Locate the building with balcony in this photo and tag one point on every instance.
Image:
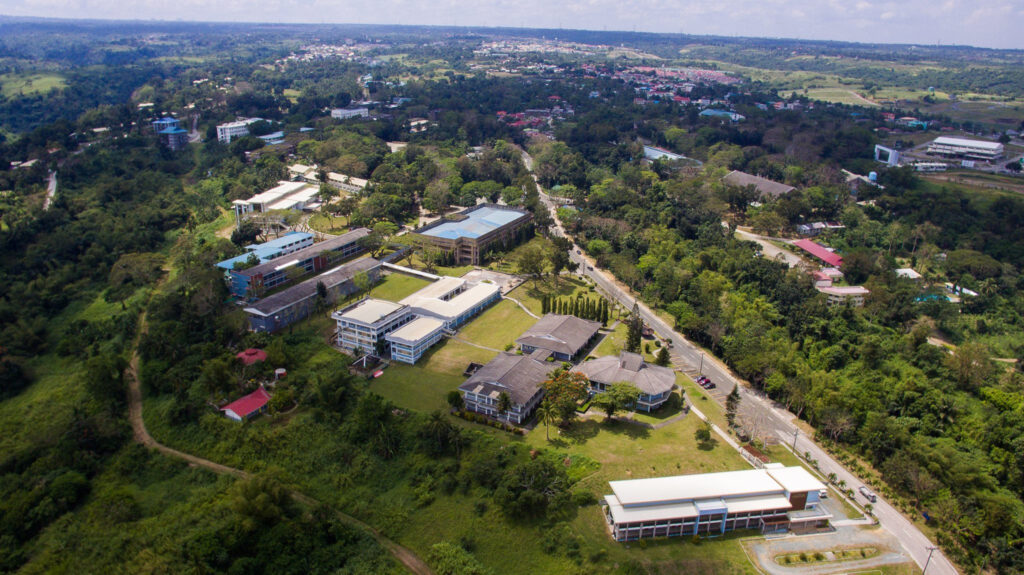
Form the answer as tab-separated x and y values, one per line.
231	130
519	376
565	337
363	325
654	381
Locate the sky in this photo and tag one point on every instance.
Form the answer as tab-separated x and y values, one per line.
987	23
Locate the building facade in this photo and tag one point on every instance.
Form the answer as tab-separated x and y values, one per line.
773	499
518	376
409	342
654	381
964	148
231	130
843	295
363	325
564	337
469	234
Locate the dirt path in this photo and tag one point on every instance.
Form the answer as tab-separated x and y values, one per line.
405	556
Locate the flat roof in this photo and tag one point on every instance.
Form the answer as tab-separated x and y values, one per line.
436	289
683	488
307	289
795	479
308	252
370	311
301	195
456	306
279	191
964	142
479	221
416	330
845	290
267	249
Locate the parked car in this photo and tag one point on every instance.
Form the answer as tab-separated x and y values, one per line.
822	493
868	494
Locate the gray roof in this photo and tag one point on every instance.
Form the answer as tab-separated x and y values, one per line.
307	289
335	243
560	333
520	376
765	187
631	368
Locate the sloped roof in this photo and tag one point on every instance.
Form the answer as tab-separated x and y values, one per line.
765	187
520	376
335	243
559	333
631	368
819	251
249	404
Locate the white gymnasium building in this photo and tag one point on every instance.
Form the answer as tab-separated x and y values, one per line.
773	499
964	148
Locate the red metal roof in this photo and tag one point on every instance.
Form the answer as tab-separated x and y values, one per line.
246	406
817	250
251	356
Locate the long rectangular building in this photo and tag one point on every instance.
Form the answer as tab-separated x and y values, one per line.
468	234
772	499
253	282
299	301
269	250
964	148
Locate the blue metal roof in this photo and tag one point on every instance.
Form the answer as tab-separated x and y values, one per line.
265	251
477	223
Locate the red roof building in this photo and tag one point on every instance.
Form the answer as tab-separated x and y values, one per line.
821	252
251	356
248	406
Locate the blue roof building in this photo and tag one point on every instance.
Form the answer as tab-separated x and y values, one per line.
712	113
468	234
284	245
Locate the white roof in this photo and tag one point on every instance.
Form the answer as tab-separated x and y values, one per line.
796	479
622	515
416	330
342	178
456	306
757	503
964	142
908	273
437	289
370	311
276	193
845	290
300	196
683	488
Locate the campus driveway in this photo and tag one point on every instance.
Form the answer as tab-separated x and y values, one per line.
762	551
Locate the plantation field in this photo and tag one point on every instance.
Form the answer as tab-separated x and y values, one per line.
12	85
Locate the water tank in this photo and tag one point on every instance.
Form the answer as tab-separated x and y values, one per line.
873	176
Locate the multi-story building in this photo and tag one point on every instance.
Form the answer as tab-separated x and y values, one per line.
842	295
299	301
519	376
409	342
283	196
253	282
289	243
346	113
237	129
964	148
452	300
773	499
654	382
363	325
468	234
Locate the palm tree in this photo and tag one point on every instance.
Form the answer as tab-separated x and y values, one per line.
545	415
504	403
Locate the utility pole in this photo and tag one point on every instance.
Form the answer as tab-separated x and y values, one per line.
796	432
701	368
930	551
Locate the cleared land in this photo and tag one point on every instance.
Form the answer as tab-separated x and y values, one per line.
12	85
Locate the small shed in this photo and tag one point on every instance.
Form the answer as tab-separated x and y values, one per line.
248	406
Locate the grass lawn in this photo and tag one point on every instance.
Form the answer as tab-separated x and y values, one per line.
700	399
326	224
498	326
44	407
396	286
668	410
417	264
12	85
531	292
614	342
423	386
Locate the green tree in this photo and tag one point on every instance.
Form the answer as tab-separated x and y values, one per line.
545	415
563	391
663	359
635	334
732	405
617	397
455	400
531	261
504	403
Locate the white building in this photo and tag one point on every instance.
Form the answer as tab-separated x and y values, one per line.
964	148
841	295
452	301
772	499
363	325
232	130
346	113
411	341
284	196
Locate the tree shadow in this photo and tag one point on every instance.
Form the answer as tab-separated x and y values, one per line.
626	427
708	445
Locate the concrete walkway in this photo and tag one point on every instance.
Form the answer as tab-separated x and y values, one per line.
764	550
520	304
467	342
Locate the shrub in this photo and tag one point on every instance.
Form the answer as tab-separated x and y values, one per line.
480	507
803	557
819	556
695	539
583	498
509	346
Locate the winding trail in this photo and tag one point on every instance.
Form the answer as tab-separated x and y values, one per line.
403	555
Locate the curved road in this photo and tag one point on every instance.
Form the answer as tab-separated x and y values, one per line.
779	421
403	555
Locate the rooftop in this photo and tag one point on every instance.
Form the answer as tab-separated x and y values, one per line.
520	376
245	406
682	488
307	289
416	330
765	187
473	222
821	252
456	306
964	142
629	367
369	311
267	250
436	289
559	333
306	253
845	290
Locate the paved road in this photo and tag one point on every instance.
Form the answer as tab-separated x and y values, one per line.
695	360
403	555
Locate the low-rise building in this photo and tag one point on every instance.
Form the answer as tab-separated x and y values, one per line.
469	234
842	295
519	376
908	273
283	196
965	148
255	281
820	252
346	113
765	188
237	129
773	499
299	301
452	300
409	342
563	336
363	325
654	381
272	249
248	406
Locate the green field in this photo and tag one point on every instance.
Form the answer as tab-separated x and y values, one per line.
498	326
396	286
12	85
